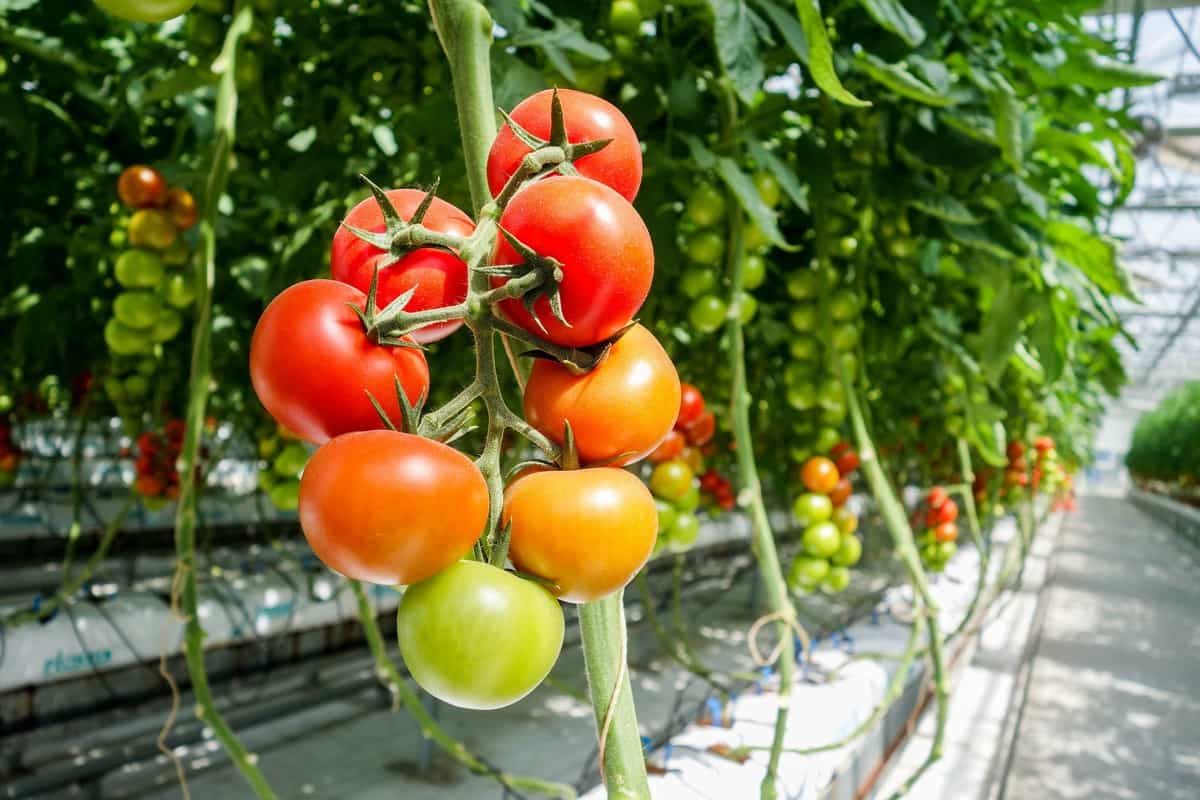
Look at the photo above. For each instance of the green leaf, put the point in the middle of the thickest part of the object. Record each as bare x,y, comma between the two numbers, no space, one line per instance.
737,46
1095,71
1007,113
788,27
1050,342
820,62
892,16
980,238
1092,255
795,190
385,139
1001,328
250,272
897,78
943,206
302,140
743,188
179,81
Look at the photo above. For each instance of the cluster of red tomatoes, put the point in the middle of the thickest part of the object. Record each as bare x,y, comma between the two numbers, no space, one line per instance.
152,273
157,464
395,508
938,539
829,544
10,452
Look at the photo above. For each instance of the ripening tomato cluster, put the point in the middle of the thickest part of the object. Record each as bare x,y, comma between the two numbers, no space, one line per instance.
1016,474
395,508
830,546
155,282
157,464
10,452
939,536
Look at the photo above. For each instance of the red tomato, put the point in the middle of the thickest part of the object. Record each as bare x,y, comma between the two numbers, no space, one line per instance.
691,405
847,462
141,187
841,492
389,507
1015,450
604,248
440,277
587,118
839,448
946,512
820,475
1043,444
588,530
624,407
671,447
701,430
711,480
312,364
181,207
937,496
946,532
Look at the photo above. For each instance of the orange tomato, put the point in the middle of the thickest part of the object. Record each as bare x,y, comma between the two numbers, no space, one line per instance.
620,411
841,492
819,475
181,207
946,532
588,531
671,447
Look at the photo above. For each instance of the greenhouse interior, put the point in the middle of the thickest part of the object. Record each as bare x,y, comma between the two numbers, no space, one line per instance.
830,429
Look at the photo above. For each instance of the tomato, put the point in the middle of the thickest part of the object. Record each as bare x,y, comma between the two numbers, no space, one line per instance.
754,238
707,314
700,431
946,550
705,247
148,485
845,519
139,269
137,309
670,448
844,337
946,512
843,305
849,552
807,572
768,188
140,186
604,248
821,540
1015,450
686,529
181,207
805,348
691,405
167,325
123,340
179,291
696,281
290,461
819,475
826,437
587,530
802,285
666,515
477,637
671,480
312,364
440,277
754,271
802,397
635,383
390,507
136,387
587,118
693,458
811,508
152,229
146,10
841,493
937,497
747,306
1043,444
804,318
836,581
847,462
706,205
846,246
285,495
946,532
178,253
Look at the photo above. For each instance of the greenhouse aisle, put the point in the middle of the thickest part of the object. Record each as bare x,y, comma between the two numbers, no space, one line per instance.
1113,706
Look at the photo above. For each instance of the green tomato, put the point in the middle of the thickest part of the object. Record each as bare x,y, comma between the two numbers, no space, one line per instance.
807,572
827,439
177,254
123,340
117,239
821,540
696,281
956,383
179,291
847,361
843,305
685,530
754,238
846,246
901,247
804,317
671,480
946,550
139,269
706,205
137,309
955,425
811,508
836,581
666,515
477,637
768,188
266,479
290,461
146,10
844,337
626,47
799,373
114,387
705,247
147,367
803,284
167,326
690,500
754,271
285,495
805,348
624,17
747,307
833,412
136,387
708,313
802,396
849,552
268,446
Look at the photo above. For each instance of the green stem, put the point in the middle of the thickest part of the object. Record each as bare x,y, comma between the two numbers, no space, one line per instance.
967,493
184,590
76,528
674,647
389,676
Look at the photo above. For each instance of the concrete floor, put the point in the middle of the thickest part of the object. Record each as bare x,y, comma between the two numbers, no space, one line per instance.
1113,708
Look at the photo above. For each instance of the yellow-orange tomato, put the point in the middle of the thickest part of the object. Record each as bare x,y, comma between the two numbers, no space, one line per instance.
389,507
588,531
841,492
819,475
623,408
181,207
151,229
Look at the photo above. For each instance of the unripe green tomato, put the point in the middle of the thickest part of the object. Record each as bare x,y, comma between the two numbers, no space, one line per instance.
291,461
800,454
179,292
802,396
811,508
117,238
624,17
690,500
846,246
137,309
836,225
845,519
805,348
706,205
956,383
836,581
929,553
705,247
136,387
843,305
285,495
849,552
754,271
123,340
946,550
708,313
831,394
979,396
827,439
147,367
671,480
747,307
114,387
167,326
626,46
685,530
955,425
830,276
844,337
821,540
802,284
754,238
768,188
833,413
139,269
804,317
666,516
696,281
177,254
267,446
799,373
901,248
146,10
806,572
847,361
